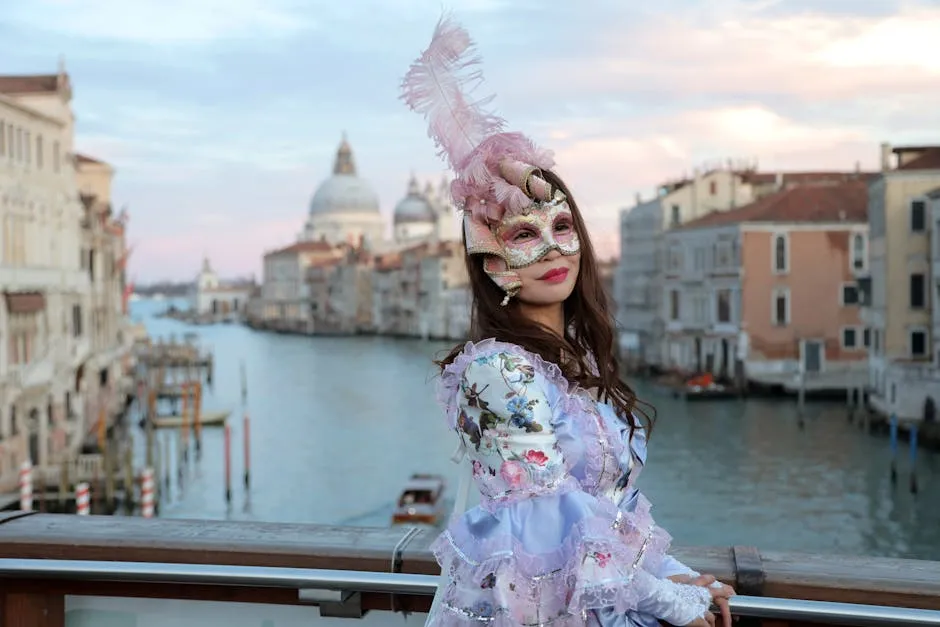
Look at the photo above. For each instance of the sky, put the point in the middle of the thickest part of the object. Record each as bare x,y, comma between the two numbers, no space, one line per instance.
221,117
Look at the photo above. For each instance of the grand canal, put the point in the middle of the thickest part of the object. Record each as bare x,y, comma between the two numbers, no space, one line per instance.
338,425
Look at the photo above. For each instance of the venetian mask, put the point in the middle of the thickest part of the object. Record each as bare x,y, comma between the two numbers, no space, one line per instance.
527,237
522,239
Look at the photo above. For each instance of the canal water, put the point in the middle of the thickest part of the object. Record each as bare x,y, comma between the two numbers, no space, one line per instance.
339,424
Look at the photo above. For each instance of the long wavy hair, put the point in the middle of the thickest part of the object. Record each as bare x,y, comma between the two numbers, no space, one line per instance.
589,328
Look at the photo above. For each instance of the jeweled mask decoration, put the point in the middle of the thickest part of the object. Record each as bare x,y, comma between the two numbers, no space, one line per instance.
498,183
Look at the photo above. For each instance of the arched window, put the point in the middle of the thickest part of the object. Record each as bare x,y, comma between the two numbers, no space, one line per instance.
781,262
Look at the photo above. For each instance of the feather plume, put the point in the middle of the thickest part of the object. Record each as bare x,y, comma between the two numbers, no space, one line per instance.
439,85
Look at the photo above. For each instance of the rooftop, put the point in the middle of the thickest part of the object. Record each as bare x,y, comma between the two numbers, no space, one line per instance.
843,202
317,246
804,178
86,159
918,157
29,84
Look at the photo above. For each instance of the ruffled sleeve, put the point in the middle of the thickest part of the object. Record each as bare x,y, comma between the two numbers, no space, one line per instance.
539,549
669,566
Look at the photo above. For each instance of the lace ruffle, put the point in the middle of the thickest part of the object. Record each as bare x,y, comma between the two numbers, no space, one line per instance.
592,565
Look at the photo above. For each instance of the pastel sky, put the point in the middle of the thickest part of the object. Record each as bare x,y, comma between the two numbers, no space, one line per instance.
222,116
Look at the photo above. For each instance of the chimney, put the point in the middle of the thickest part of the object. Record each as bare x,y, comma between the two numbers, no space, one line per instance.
778,181
885,156
638,199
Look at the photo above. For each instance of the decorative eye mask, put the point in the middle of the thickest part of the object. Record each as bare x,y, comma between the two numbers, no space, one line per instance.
526,238
522,239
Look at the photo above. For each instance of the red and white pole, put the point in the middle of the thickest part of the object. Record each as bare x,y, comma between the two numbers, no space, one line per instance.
26,486
82,499
146,493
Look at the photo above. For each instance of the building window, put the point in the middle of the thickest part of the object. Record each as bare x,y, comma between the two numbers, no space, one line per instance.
918,343
674,304
866,337
724,255
918,291
849,294
781,259
723,306
849,338
713,188
676,215
918,216
780,315
859,252
673,258
3,138
39,151
55,156
28,147
76,320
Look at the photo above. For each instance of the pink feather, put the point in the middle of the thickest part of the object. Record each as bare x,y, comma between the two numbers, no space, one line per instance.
509,196
439,84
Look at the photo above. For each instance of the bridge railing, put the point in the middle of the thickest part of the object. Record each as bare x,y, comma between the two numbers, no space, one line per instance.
80,571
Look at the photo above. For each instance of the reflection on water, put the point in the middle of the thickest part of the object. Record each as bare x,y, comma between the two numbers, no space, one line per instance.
339,424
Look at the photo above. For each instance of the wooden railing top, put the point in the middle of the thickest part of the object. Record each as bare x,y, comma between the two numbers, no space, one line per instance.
881,581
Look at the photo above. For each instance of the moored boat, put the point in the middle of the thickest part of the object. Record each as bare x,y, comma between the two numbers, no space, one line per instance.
421,501
206,419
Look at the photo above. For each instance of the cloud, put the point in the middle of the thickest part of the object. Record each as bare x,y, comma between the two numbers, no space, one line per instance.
160,22
808,56
222,117
606,170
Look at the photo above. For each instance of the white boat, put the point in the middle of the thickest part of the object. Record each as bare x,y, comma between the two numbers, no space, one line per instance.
421,501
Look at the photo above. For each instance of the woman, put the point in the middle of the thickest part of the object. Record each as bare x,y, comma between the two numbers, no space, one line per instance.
561,535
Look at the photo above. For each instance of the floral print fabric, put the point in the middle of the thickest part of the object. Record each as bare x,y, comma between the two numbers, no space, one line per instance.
561,536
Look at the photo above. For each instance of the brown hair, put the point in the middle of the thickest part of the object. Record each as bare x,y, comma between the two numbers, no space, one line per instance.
589,327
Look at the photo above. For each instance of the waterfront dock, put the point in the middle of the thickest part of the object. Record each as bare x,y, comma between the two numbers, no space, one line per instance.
175,358
371,573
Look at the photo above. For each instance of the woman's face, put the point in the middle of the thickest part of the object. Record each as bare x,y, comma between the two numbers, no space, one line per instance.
544,249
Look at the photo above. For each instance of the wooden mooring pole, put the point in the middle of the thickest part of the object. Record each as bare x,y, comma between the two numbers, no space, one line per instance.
913,452
246,428
893,440
197,415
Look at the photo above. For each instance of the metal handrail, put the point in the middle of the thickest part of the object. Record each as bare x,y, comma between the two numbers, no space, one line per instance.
848,614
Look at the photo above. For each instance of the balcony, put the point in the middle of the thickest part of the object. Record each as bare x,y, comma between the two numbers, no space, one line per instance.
79,350
82,570
41,370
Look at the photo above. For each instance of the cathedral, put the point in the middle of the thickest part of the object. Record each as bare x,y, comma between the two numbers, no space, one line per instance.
345,209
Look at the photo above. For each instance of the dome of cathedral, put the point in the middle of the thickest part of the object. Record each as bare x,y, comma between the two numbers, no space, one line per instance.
344,192
414,207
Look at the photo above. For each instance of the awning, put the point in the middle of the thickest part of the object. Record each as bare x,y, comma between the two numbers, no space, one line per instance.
25,302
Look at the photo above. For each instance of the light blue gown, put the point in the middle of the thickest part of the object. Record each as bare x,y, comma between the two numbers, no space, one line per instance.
561,536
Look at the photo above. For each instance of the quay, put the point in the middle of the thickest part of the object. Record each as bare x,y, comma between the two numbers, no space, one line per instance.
184,356
105,467
50,562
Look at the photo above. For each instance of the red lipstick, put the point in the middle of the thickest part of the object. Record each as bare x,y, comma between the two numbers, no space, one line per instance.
555,275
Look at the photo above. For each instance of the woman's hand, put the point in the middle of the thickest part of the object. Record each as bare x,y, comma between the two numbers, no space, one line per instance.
720,595
706,621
